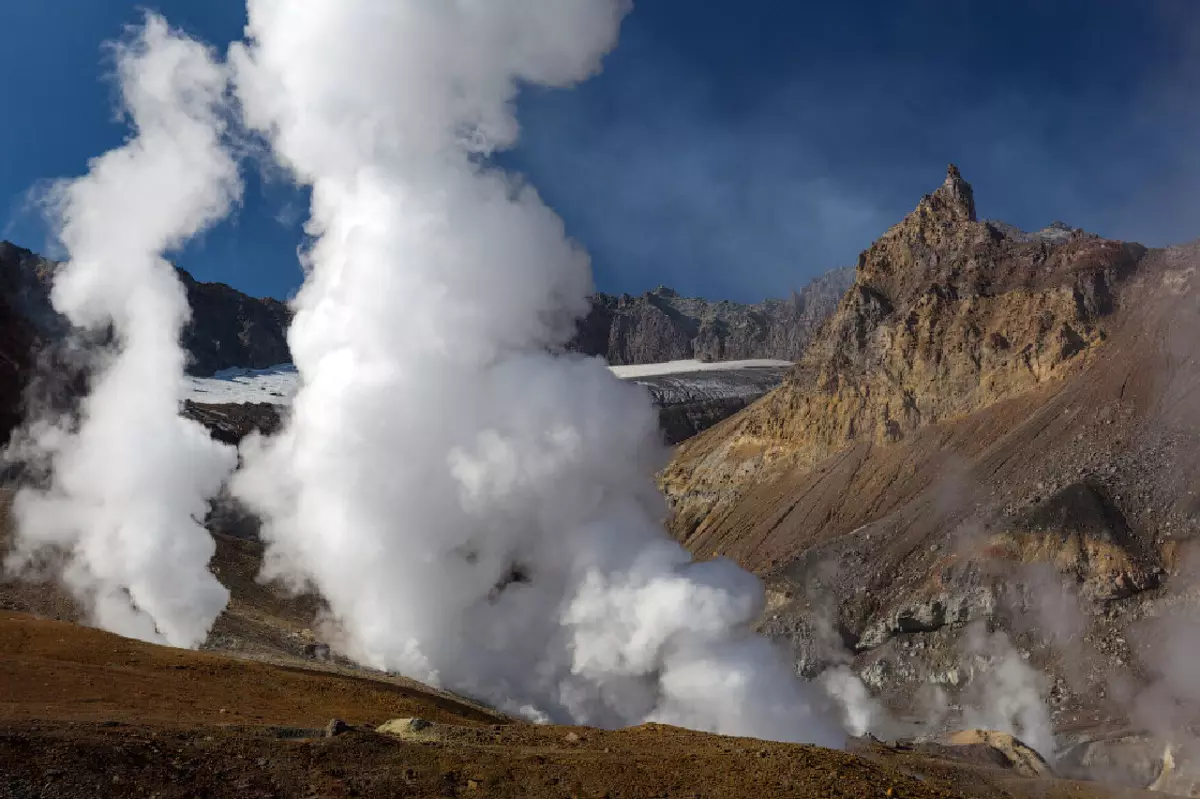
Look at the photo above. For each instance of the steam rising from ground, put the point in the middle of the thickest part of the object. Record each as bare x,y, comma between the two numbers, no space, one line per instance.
1008,693
130,479
478,508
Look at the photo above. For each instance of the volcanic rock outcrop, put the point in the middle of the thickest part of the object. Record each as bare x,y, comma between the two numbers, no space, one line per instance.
996,431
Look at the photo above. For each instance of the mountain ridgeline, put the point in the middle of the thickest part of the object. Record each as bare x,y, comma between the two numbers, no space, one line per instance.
661,326
229,329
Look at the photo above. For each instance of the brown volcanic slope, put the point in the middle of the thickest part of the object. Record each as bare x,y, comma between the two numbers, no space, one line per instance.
989,418
88,714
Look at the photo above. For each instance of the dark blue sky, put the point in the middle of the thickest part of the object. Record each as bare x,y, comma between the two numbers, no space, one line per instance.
733,148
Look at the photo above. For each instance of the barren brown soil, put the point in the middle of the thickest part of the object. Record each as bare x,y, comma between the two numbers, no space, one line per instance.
87,714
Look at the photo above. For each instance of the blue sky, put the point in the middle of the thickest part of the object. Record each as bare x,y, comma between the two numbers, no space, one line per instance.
731,148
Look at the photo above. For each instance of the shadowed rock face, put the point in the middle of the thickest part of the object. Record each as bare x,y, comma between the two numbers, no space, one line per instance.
27,323
995,428
230,329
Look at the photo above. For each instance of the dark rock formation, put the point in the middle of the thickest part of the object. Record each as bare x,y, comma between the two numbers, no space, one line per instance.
231,422
230,329
27,323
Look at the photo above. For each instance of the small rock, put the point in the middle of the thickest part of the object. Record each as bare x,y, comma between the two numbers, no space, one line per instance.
418,729
472,785
572,738
336,727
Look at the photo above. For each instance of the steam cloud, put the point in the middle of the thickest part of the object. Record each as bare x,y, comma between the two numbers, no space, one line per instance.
130,479
1009,693
477,507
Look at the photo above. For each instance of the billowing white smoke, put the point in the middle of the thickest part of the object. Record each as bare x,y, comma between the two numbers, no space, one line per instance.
478,508
130,481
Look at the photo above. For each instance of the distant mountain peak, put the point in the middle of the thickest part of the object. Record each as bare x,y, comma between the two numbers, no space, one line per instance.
662,326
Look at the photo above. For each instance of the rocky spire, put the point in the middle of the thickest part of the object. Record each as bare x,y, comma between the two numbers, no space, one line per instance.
957,197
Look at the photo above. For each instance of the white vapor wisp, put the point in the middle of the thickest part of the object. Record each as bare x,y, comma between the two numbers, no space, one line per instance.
477,508
130,481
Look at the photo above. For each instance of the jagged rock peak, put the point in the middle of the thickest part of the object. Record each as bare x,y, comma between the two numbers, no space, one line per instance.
955,198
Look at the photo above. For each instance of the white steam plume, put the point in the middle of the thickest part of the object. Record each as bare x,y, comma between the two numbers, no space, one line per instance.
131,479
478,508
1007,693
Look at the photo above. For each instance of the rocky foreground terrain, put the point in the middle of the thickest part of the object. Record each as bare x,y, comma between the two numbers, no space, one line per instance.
267,712
986,463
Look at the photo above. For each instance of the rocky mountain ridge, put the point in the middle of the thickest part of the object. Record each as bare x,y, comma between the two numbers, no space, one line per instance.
230,329
990,450
662,326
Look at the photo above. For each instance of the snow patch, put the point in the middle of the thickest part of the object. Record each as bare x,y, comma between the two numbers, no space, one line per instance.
278,384
687,367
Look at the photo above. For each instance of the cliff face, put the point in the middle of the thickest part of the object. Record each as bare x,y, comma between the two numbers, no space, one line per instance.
989,418
662,326
230,329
